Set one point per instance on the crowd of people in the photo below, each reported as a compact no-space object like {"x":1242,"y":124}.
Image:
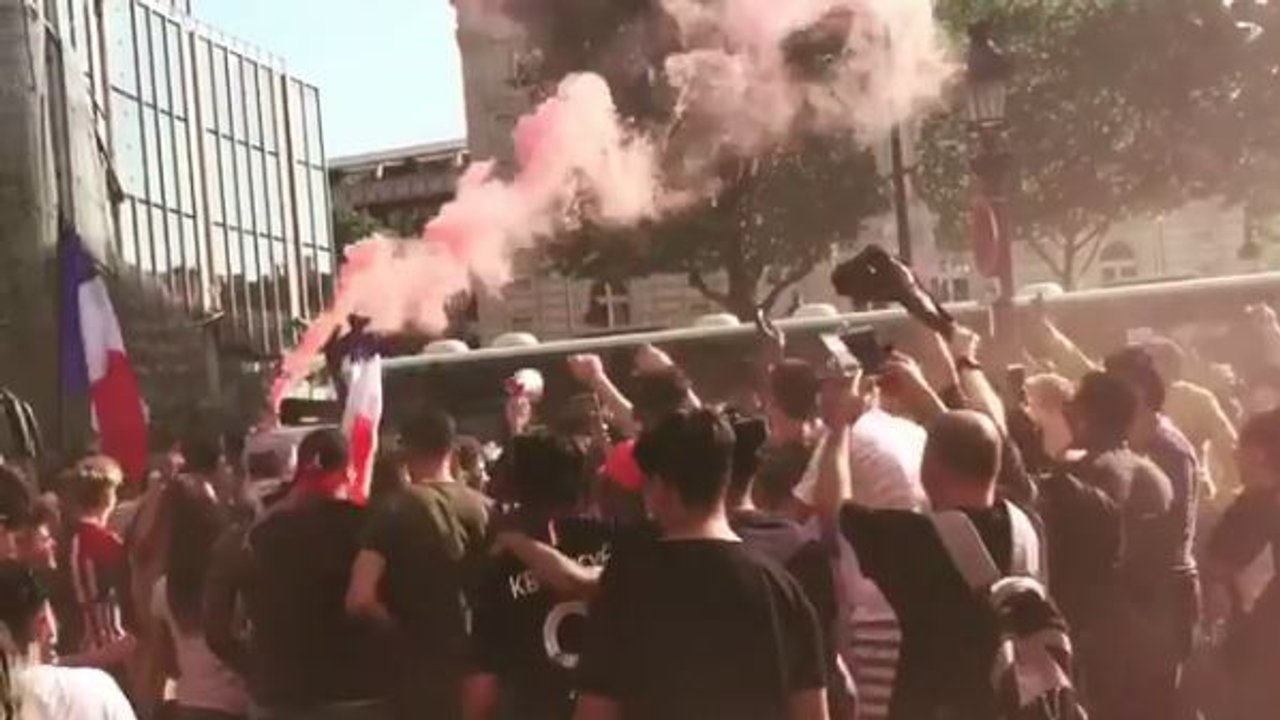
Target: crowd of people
{"x":910,"y":541}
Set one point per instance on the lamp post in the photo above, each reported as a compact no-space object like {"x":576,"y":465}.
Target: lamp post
{"x":986,"y":91}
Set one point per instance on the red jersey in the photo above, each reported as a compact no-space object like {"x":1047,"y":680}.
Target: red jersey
{"x":97,"y":577}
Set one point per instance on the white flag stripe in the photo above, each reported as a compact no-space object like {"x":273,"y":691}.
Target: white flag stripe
{"x":99,"y":328}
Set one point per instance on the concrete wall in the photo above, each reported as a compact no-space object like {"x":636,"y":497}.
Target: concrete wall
{"x":28,"y":213}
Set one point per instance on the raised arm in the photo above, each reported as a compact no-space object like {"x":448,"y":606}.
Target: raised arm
{"x":1067,"y":357}
{"x":842,"y":404}
{"x":973,"y":381}
{"x":589,"y":370}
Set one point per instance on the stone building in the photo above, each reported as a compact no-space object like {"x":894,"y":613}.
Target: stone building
{"x":400,"y":188}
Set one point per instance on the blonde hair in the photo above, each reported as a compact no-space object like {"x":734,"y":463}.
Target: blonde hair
{"x":94,"y":481}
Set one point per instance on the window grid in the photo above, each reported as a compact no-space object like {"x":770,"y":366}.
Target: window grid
{"x":220,"y":194}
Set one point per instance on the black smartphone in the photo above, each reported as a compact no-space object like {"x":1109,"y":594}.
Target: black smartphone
{"x":865,"y":345}
{"x":840,"y":360}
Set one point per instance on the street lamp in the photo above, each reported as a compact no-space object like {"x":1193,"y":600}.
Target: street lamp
{"x":987,"y":77}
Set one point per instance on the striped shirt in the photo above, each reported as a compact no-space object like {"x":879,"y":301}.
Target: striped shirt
{"x":97,"y":574}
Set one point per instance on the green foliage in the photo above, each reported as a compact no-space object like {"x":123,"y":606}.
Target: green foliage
{"x":1117,"y":108}
{"x":351,"y":226}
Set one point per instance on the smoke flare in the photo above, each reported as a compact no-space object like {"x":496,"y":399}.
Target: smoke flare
{"x":749,"y":75}
{"x":576,"y":160}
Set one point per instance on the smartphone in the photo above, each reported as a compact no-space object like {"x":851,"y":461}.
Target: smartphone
{"x":840,"y":360}
{"x":867,"y":348}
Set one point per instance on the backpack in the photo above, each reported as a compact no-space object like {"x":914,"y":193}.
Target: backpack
{"x":1031,"y":673}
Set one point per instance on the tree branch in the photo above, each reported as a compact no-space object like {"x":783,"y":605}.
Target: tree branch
{"x":1054,"y":267}
{"x":1095,"y":237}
{"x":697,"y":282}
{"x":796,"y":275}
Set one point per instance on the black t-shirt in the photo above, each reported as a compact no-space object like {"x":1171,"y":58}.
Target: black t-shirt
{"x":948,"y":633}
{"x":699,"y":629}
{"x":305,"y":649}
{"x":525,"y":635}
{"x":1109,"y":526}
{"x":432,"y":538}
{"x":1247,"y":529}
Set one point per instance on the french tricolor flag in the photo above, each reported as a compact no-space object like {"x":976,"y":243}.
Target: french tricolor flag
{"x":360,"y":420}
{"x":93,"y":358}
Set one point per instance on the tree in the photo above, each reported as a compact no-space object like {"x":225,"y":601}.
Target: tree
{"x":765,"y":231}
{"x":351,"y":226}
{"x":1117,"y":108}
{"x":774,"y":218}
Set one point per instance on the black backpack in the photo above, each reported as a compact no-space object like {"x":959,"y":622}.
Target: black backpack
{"x":1031,"y":674}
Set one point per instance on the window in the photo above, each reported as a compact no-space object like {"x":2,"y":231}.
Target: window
{"x":302,"y":195}
{"x":231,"y":214}
{"x":151,"y":153}
{"x":176,"y":258}
{"x":272,"y":173}
{"x":221,"y":116}
{"x":203,"y":80}
{"x":177,"y":69}
{"x":253,"y":105}
{"x":236,"y":254}
{"x":160,"y":61}
{"x":126,"y":135}
{"x":182,"y":165}
{"x":213,"y":176}
{"x":1117,"y":263}
{"x":267,"y":95}
{"x":243,"y":184}
{"x":120,"y":57}
{"x":256,"y":176}
{"x":311,"y":110}
{"x":218,"y":251}
{"x":143,"y":226}
{"x":142,"y":37}
{"x":191,"y":245}
{"x":168,"y":165}
{"x":319,"y":209}
{"x":159,"y":241}
{"x":609,"y":305}
{"x":235,"y":96}
{"x":128,"y":234}
{"x":297,"y":142}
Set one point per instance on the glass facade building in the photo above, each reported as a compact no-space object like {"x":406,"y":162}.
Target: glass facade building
{"x":220,"y":170}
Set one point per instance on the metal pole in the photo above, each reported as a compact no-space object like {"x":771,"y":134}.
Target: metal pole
{"x":900,"y":207}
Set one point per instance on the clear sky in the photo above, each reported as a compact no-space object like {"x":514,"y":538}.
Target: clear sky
{"x":388,"y":70}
